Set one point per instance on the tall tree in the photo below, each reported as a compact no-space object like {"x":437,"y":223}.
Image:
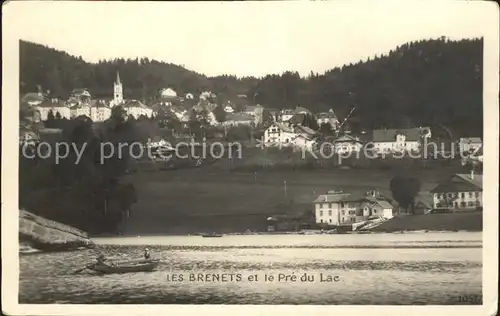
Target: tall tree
{"x":404,"y":190}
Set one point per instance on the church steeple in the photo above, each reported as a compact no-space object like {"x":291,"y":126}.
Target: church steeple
{"x":118,"y":90}
{"x":118,"y":82}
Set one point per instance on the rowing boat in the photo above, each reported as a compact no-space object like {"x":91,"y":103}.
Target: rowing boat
{"x":124,"y":266}
{"x":211,"y":235}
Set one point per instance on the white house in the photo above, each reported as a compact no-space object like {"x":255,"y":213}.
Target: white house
{"x":79,"y":110}
{"x":338,"y":207}
{"x":207,"y":95}
{"x":459,"y":192}
{"x":137,"y":108}
{"x":279,"y":133}
{"x":99,"y":111}
{"x":469,"y":144}
{"x":168,"y":93}
{"x":54,"y":105}
{"x":396,"y":140}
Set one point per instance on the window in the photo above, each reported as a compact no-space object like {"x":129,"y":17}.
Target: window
{"x":321,"y":221}
{"x":462,"y":204}
{"x":471,"y":194}
{"x":477,"y":194}
{"x":329,"y":212}
{"x":470,"y":203}
{"x":343,"y":212}
{"x":330,"y":220}
{"x":320,"y":213}
{"x":462,"y":195}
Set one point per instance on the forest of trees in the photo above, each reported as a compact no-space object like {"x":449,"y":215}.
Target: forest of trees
{"x":89,"y":195}
{"x":437,"y":83}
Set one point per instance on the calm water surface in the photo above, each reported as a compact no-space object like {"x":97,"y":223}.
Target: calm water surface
{"x":413,"y":268}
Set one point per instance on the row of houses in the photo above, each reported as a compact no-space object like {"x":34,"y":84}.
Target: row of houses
{"x":380,"y":140}
{"x":459,"y":192}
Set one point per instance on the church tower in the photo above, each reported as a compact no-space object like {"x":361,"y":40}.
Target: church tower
{"x":118,"y":93}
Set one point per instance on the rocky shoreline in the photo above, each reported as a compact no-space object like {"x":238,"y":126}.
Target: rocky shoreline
{"x":40,"y":234}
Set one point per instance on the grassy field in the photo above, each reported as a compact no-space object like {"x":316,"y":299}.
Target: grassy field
{"x":209,"y":199}
{"x":470,"y":221}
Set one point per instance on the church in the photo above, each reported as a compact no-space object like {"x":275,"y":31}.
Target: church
{"x":132,"y":107}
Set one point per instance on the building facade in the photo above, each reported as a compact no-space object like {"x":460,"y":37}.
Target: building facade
{"x":79,"y":110}
{"x":100,"y":111}
{"x":136,"y":108}
{"x":338,"y":207}
{"x":459,"y":192}
{"x":469,"y":144}
{"x":55,"y":106}
{"x":397,"y":140}
{"x":279,"y":134}
{"x":328,"y":118}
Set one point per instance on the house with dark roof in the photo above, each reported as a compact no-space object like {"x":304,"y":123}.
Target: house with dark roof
{"x":345,"y":144}
{"x":305,"y":137}
{"x":339,"y":207}
{"x":403,"y":139}
{"x":285,"y":115}
{"x":328,"y":118}
{"x":55,"y":106}
{"x":302,"y":110}
{"x":422,"y":205}
{"x":33,"y":98}
{"x":81,"y":95}
{"x":459,"y":192}
{"x":235,"y":119}
{"x":469,"y":144}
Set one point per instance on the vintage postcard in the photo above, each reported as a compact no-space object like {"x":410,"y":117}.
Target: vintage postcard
{"x":304,"y":157}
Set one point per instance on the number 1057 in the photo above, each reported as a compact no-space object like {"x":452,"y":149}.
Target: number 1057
{"x":474,"y":299}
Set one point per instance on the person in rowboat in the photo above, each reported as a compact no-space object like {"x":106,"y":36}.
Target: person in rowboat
{"x":101,"y":259}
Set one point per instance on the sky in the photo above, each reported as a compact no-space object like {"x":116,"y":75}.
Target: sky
{"x":242,"y":38}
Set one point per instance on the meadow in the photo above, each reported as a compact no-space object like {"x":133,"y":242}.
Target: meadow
{"x":210,"y":199}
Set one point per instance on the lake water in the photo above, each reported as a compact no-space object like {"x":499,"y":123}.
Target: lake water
{"x":395,"y":269}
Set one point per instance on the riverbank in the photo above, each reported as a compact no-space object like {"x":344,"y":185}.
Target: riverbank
{"x":452,"y":222}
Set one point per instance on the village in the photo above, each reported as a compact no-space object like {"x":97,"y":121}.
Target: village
{"x":296,"y":128}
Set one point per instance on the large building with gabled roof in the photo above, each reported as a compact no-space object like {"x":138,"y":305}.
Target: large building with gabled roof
{"x":459,"y":192}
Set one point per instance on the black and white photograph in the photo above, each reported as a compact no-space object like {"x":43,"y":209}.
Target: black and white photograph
{"x":249,"y":153}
